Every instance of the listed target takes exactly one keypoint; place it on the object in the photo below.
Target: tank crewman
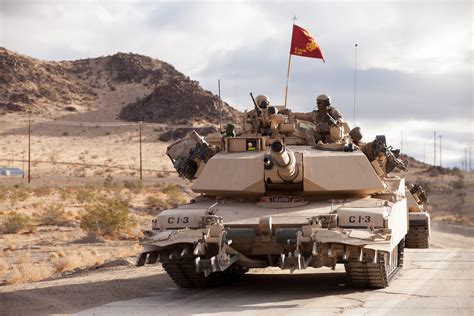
(260, 116)
(320, 117)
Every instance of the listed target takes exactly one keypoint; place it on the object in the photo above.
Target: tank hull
(235, 236)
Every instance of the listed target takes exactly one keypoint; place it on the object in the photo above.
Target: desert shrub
(14, 223)
(42, 191)
(458, 184)
(108, 181)
(155, 202)
(3, 193)
(84, 195)
(134, 186)
(105, 217)
(52, 214)
(171, 188)
(19, 193)
(174, 198)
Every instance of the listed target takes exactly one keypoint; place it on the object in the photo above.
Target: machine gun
(392, 157)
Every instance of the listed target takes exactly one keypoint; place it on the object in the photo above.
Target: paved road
(433, 282)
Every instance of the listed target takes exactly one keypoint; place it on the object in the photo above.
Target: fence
(83, 149)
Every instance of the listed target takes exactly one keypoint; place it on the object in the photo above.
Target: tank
(419, 229)
(271, 197)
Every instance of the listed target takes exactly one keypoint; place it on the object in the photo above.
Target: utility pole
(470, 158)
(140, 141)
(401, 142)
(434, 148)
(440, 152)
(465, 158)
(29, 150)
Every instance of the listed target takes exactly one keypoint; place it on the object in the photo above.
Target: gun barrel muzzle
(285, 161)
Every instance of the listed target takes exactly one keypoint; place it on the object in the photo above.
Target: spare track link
(374, 275)
(417, 236)
(183, 273)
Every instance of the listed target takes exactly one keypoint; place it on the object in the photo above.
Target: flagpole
(289, 67)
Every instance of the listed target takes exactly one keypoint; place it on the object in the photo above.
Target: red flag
(304, 44)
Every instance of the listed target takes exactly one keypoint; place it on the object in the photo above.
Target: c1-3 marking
(178, 220)
(360, 219)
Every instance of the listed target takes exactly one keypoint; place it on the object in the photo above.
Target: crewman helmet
(262, 101)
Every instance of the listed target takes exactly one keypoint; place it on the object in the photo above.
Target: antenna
(220, 105)
(434, 148)
(355, 80)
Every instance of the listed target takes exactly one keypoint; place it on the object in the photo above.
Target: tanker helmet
(262, 101)
(356, 134)
(323, 99)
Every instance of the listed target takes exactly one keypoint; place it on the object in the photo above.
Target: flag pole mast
(289, 67)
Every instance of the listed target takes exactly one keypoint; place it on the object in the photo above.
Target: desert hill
(450, 190)
(150, 90)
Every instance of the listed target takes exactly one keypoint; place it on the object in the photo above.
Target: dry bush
(175, 198)
(79, 258)
(42, 191)
(105, 217)
(19, 193)
(155, 202)
(131, 251)
(27, 272)
(54, 156)
(53, 214)
(171, 188)
(14, 223)
(3, 193)
(85, 194)
(3, 266)
(134, 186)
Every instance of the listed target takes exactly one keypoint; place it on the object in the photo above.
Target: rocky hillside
(450, 191)
(148, 89)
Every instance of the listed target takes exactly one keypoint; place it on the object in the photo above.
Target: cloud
(414, 59)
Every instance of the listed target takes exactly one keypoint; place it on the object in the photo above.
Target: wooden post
(29, 151)
(140, 141)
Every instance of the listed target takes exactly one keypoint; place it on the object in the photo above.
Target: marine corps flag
(304, 44)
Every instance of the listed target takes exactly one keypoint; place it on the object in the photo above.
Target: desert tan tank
(271, 197)
(419, 230)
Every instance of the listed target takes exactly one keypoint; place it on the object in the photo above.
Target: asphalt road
(436, 281)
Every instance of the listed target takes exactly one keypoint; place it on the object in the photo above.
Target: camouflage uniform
(322, 122)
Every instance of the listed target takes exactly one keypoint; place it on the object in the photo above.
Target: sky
(412, 69)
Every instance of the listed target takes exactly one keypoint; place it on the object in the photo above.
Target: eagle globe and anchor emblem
(311, 45)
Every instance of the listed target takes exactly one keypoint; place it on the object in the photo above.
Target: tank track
(374, 275)
(418, 236)
(184, 275)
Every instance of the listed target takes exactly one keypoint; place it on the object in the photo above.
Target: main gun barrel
(285, 161)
